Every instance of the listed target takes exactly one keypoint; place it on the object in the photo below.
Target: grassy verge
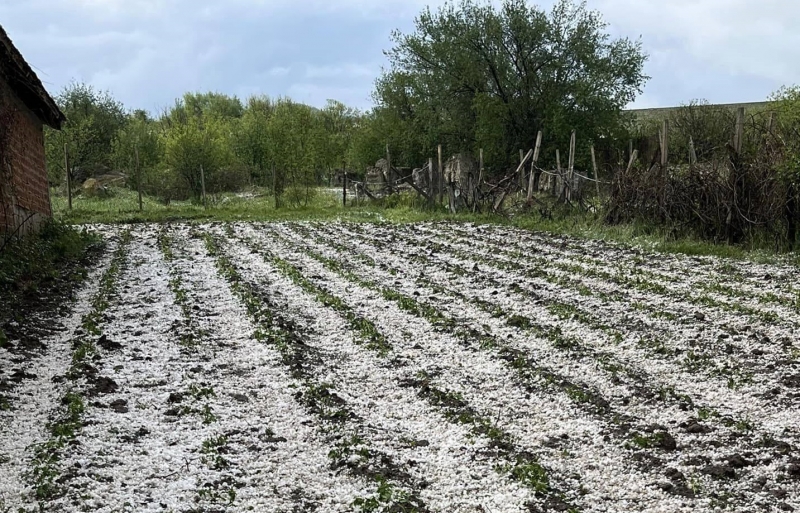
(123, 208)
(44, 265)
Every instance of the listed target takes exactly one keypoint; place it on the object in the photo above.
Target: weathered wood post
(571, 172)
(69, 176)
(138, 178)
(664, 137)
(440, 176)
(480, 180)
(692, 152)
(533, 183)
(431, 178)
(558, 183)
(738, 138)
(634, 156)
(344, 189)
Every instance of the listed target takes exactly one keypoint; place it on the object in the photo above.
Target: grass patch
(122, 207)
(31, 267)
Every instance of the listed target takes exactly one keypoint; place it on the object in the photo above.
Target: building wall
(24, 196)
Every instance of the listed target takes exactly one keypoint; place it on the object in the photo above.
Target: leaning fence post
(69, 178)
(533, 182)
(634, 156)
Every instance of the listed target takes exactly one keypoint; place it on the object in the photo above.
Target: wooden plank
(524, 160)
(499, 203)
(665, 145)
(410, 181)
(634, 156)
(532, 181)
(521, 170)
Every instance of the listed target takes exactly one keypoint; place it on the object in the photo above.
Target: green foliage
(40, 260)
(93, 120)
(194, 149)
(140, 137)
(475, 75)
(786, 104)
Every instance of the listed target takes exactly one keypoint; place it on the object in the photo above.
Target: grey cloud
(148, 52)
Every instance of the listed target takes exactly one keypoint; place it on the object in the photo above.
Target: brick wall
(27, 197)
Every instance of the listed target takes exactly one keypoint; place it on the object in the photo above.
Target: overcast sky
(149, 52)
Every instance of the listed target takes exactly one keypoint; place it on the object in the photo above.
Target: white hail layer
(459, 478)
(162, 467)
(578, 371)
(34, 400)
(713, 392)
(273, 473)
(492, 390)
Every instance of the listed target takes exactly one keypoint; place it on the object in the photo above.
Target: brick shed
(25, 107)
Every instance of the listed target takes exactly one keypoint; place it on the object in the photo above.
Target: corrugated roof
(27, 86)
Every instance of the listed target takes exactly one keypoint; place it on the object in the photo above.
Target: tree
(472, 75)
(192, 146)
(292, 133)
(786, 104)
(93, 120)
(141, 135)
(251, 143)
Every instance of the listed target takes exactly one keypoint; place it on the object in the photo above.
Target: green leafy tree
(251, 143)
(295, 153)
(140, 135)
(93, 120)
(473, 75)
(786, 104)
(194, 146)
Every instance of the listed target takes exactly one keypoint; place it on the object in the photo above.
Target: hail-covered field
(384, 368)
